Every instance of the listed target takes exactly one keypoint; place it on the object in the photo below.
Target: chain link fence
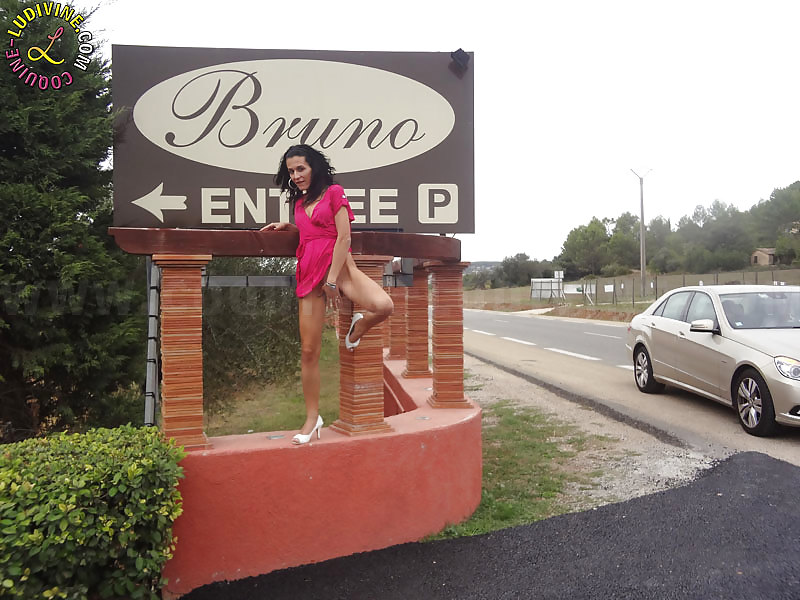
(628, 289)
(625, 292)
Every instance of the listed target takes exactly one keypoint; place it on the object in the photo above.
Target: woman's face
(299, 171)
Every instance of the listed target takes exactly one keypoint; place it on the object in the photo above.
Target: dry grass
(517, 299)
(502, 299)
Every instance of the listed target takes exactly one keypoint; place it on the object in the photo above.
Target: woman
(325, 267)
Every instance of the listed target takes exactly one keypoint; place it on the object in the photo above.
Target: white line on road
(575, 354)
(483, 332)
(616, 337)
(518, 341)
(628, 367)
(500, 321)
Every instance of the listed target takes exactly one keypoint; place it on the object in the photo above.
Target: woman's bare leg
(362, 290)
(312, 316)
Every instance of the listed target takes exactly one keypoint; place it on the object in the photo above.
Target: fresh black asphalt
(734, 533)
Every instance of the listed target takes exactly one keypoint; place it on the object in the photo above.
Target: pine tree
(72, 324)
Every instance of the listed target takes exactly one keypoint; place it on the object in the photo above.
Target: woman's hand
(279, 227)
(332, 295)
(275, 227)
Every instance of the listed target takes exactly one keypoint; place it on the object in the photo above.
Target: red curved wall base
(252, 505)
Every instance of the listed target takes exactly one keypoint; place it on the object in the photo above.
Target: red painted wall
(253, 505)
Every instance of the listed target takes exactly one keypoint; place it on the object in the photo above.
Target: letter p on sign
(438, 203)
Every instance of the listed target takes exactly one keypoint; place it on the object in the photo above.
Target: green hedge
(88, 515)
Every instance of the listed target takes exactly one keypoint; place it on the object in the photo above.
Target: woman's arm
(342, 245)
(279, 227)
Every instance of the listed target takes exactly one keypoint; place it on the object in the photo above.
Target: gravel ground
(634, 463)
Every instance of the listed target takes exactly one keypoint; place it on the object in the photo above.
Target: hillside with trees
(717, 238)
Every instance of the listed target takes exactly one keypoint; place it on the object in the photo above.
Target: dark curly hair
(321, 174)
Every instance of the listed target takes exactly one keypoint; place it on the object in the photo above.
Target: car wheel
(643, 372)
(753, 403)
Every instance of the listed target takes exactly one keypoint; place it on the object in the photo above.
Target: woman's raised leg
(312, 316)
(362, 290)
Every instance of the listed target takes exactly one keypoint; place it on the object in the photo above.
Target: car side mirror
(703, 326)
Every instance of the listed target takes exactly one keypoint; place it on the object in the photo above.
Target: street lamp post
(642, 256)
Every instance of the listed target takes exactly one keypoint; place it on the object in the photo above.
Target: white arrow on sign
(156, 201)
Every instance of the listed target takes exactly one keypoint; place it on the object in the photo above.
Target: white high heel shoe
(347, 343)
(301, 438)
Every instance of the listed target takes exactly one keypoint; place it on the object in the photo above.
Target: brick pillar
(448, 336)
(397, 337)
(417, 326)
(182, 348)
(361, 371)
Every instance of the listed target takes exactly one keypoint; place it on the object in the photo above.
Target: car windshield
(762, 310)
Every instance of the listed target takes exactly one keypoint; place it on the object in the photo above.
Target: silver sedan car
(736, 344)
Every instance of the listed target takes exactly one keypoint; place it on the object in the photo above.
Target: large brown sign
(200, 133)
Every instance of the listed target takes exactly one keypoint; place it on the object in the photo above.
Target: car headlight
(789, 367)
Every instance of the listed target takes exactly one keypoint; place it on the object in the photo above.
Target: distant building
(475, 267)
(763, 256)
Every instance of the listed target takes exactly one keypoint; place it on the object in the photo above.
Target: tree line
(717, 238)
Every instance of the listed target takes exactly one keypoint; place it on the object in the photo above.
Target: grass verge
(525, 474)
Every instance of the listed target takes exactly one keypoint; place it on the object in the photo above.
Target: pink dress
(317, 238)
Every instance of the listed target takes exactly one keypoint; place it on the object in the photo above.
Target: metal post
(642, 255)
(151, 380)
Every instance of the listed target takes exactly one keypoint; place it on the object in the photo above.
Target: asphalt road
(587, 362)
(733, 534)
(583, 338)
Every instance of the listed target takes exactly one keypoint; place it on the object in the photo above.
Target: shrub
(249, 334)
(88, 515)
(614, 270)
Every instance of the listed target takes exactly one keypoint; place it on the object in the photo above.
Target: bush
(614, 270)
(91, 514)
(249, 334)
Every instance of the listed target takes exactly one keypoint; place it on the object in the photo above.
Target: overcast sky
(569, 96)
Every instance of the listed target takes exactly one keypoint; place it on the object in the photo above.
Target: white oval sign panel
(244, 115)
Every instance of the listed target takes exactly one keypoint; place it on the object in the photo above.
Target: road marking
(518, 341)
(610, 324)
(628, 367)
(575, 354)
(500, 321)
(616, 337)
(483, 332)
